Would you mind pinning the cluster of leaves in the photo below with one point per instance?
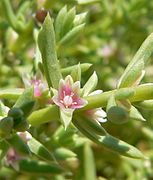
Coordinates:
(52, 152)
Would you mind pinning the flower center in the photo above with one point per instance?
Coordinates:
(67, 101)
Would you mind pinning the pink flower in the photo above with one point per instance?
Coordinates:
(68, 99)
(12, 156)
(68, 96)
(40, 87)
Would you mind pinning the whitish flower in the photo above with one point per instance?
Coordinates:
(97, 114)
(68, 96)
(26, 136)
(68, 99)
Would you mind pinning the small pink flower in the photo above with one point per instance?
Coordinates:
(68, 96)
(40, 87)
(12, 156)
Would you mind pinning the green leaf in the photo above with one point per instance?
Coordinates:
(86, 2)
(28, 107)
(135, 114)
(6, 124)
(64, 153)
(4, 147)
(137, 64)
(66, 116)
(89, 163)
(117, 115)
(148, 132)
(27, 95)
(2, 109)
(39, 150)
(47, 46)
(14, 23)
(79, 19)
(19, 145)
(35, 167)
(92, 125)
(84, 67)
(59, 22)
(12, 94)
(109, 142)
(148, 104)
(68, 21)
(76, 73)
(90, 85)
(111, 102)
(44, 115)
(71, 35)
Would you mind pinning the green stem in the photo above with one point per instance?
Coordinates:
(51, 113)
(100, 100)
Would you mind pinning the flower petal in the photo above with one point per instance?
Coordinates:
(57, 102)
(96, 92)
(76, 88)
(26, 80)
(69, 80)
(79, 103)
(100, 113)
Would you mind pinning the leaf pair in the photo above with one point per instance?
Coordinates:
(68, 25)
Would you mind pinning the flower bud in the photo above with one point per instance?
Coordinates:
(15, 113)
(6, 124)
(22, 126)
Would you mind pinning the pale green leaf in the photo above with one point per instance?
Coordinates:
(90, 85)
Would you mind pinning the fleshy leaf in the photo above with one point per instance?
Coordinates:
(76, 73)
(111, 102)
(39, 167)
(4, 147)
(148, 104)
(135, 114)
(137, 64)
(12, 94)
(19, 145)
(109, 142)
(39, 150)
(90, 85)
(64, 153)
(68, 21)
(71, 35)
(84, 67)
(79, 19)
(27, 95)
(59, 22)
(89, 163)
(47, 46)
(66, 116)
